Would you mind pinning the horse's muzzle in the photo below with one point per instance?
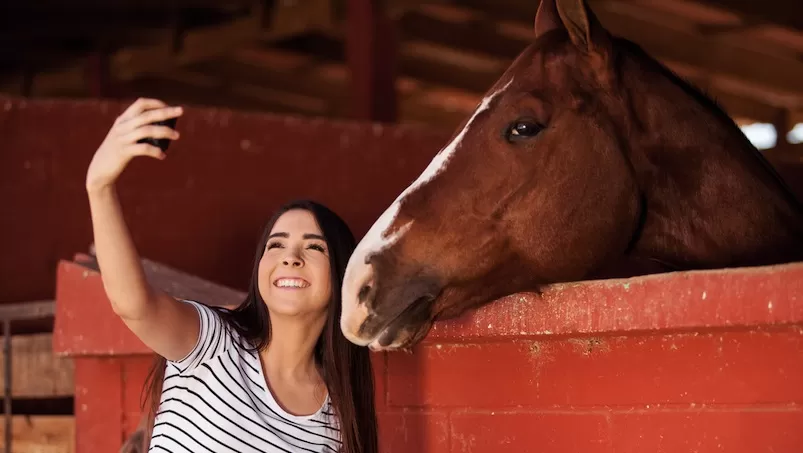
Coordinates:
(380, 312)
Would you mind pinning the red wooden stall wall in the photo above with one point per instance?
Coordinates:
(694, 361)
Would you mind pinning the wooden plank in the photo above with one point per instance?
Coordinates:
(42, 434)
(28, 310)
(36, 371)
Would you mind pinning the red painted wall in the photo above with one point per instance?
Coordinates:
(692, 361)
(203, 208)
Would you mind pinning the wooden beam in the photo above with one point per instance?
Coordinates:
(431, 63)
(428, 67)
(371, 52)
(183, 89)
(788, 13)
(278, 99)
(154, 6)
(293, 72)
(327, 81)
(711, 54)
(45, 26)
(35, 371)
(42, 433)
(473, 36)
(419, 101)
(32, 310)
(196, 45)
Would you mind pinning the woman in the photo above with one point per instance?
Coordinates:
(274, 374)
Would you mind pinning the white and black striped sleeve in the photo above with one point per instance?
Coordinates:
(213, 339)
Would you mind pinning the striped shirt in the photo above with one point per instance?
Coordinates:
(216, 400)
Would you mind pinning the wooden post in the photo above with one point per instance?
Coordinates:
(782, 127)
(371, 49)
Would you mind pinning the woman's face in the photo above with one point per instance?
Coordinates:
(294, 272)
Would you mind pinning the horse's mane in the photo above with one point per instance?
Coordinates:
(698, 94)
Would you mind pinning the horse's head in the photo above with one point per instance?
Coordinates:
(543, 183)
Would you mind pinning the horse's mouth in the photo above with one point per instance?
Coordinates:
(405, 329)
(401, 340)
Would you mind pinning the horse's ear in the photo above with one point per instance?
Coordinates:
(585, 31)
(546, 19)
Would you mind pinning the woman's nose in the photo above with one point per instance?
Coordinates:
(292, 260)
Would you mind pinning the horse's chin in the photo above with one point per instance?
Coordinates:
(404, 339)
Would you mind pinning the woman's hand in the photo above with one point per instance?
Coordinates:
(120, 144)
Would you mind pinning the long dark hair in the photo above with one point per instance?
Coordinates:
(345, 368)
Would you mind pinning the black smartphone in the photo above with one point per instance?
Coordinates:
(161, 143)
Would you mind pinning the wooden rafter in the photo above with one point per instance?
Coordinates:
(746, 55)
(711, 54)
(296, 73)
(198, 44)
(786, 13)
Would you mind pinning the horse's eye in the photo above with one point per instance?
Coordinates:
(522, 129)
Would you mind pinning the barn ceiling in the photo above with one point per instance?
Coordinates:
(290, 55)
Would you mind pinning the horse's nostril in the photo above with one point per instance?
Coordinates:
(363, 294)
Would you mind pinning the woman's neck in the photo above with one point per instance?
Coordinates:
(290, 355)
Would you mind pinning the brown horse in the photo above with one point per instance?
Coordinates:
(587, 159)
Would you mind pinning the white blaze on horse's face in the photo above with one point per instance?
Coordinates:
(358, 272)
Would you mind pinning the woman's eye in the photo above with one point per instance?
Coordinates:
(318, 247)
(272, 245)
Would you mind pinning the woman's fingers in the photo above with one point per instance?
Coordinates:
(144, 149)
(150, 132)
(150, 116)
(139, 106)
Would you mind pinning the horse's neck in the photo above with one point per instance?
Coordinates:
(712, 199)
(715, 207)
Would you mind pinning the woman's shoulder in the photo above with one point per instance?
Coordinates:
(216, 334)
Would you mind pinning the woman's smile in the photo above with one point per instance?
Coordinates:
(291, 283)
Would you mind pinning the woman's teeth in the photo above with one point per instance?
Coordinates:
(291, 283)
